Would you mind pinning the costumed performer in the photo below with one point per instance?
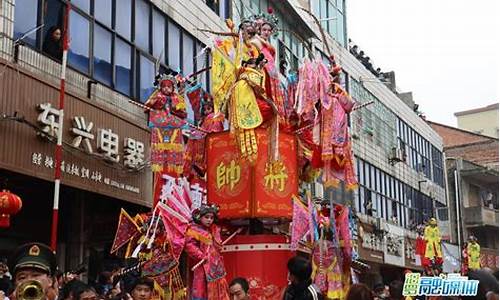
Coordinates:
(166, 120)
(203, 244)
(433, 255)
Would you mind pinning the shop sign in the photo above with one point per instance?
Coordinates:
(107, 142)
(104, 151)
(394, 250)
(370, 245)
(79, 171)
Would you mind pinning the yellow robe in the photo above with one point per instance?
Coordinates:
(474, 252)
(432, 238)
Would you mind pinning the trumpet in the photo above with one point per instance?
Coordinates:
(30, 290)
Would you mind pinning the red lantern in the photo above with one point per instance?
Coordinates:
(10, 204)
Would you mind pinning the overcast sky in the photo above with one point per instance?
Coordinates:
(445, 51)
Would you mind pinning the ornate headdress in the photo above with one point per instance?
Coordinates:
(205, 209)
(267, 18)
(161, 79)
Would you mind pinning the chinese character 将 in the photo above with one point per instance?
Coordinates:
(134, 153)
(50, 118)
(412, 284)
(228, 175)
(49, 162)
(36, 158)
(83, 134)
(107, 142)
(276, 175)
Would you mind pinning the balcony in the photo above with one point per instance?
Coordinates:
(480, 216)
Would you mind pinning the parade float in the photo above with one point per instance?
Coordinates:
(231, 180)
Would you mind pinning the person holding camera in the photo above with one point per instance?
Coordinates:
(33, 266)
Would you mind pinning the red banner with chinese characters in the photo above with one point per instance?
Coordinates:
(275, 183)
(228, 180)
(242, 190)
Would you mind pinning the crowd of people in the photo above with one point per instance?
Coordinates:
(35, 277)
(367, 62)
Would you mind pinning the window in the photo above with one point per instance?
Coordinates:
(159, 36)
(123, 66)
(78, 55)
(332, 24)
(124, 18)
(340, 29)
(102, 11)
(187, 54)
(146, 75)
(102, 55)
(174, 40)
(212, 4)
(25, 19)
(142, 24)
(82, 4)
(53, 16)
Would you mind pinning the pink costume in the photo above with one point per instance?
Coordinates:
(336, 150)
(326, 269)
(209, 281)
(273, 83)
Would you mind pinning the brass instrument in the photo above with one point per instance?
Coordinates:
(30, 290)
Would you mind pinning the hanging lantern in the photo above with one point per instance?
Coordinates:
(10, 204)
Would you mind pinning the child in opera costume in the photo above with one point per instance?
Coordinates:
(203, 244)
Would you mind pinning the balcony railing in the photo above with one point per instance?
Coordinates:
(480, 216)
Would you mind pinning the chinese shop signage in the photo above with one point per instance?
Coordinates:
(103, 152)
(243, 190)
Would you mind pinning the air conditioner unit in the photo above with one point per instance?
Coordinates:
(397, 155)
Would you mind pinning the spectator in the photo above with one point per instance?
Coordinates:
(354, 50)
(360, 55)
(141, 289)
(301, 286)
(488, 285)
(85, 292)
(396, 290)
(381, 290)
(104, 283)
(70, 289)
(52, 45)
(238, 289)
(5, 279)
(359, 291)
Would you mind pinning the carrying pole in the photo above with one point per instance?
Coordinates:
(58, 149)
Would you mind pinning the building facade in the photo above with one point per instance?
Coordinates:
(115, 52)
(483, 120)
(472, 172)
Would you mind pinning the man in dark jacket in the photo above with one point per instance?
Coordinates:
(301, 286)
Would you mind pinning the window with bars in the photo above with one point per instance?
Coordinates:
(417, 148)
(376, 121)
(116, 42)
(332, 12)
(382, 195)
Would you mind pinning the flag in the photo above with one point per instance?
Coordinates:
(300, 222)
(125, 231)
(175, 226)
(194, 96)
(313, 219)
